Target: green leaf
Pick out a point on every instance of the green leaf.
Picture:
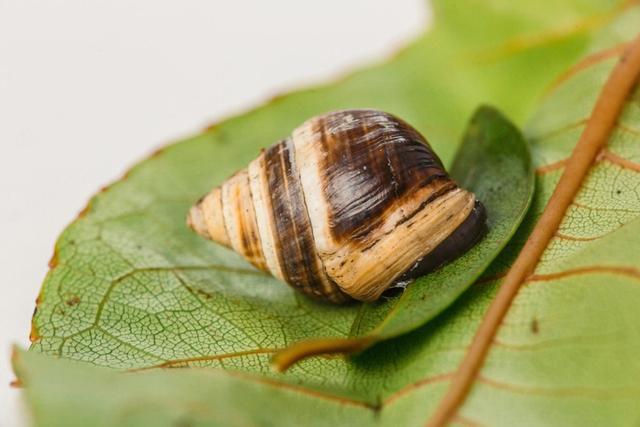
(556, 373)
(132, 288)
(68, 394)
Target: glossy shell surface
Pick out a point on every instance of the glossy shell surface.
(352, 202)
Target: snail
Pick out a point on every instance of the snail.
(350, 204)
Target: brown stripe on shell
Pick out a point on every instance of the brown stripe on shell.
(372, 161)
(435, 193)
(240, 219)
(294, 241)
(250, 236)
(259, 187)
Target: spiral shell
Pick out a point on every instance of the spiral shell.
(353, 202)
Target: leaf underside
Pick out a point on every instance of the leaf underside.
(131, 288)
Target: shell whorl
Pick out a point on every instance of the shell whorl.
(351, 203)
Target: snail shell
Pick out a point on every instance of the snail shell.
(353, 202)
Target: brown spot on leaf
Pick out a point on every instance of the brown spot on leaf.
(157, 152)
(535, 328)
(74, 300)
(84, 211)
(33, 333)
(204, 294)
(211, 127)
(277, 97)
(53, 262)
(183, 422)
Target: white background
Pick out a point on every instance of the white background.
(87, 88)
